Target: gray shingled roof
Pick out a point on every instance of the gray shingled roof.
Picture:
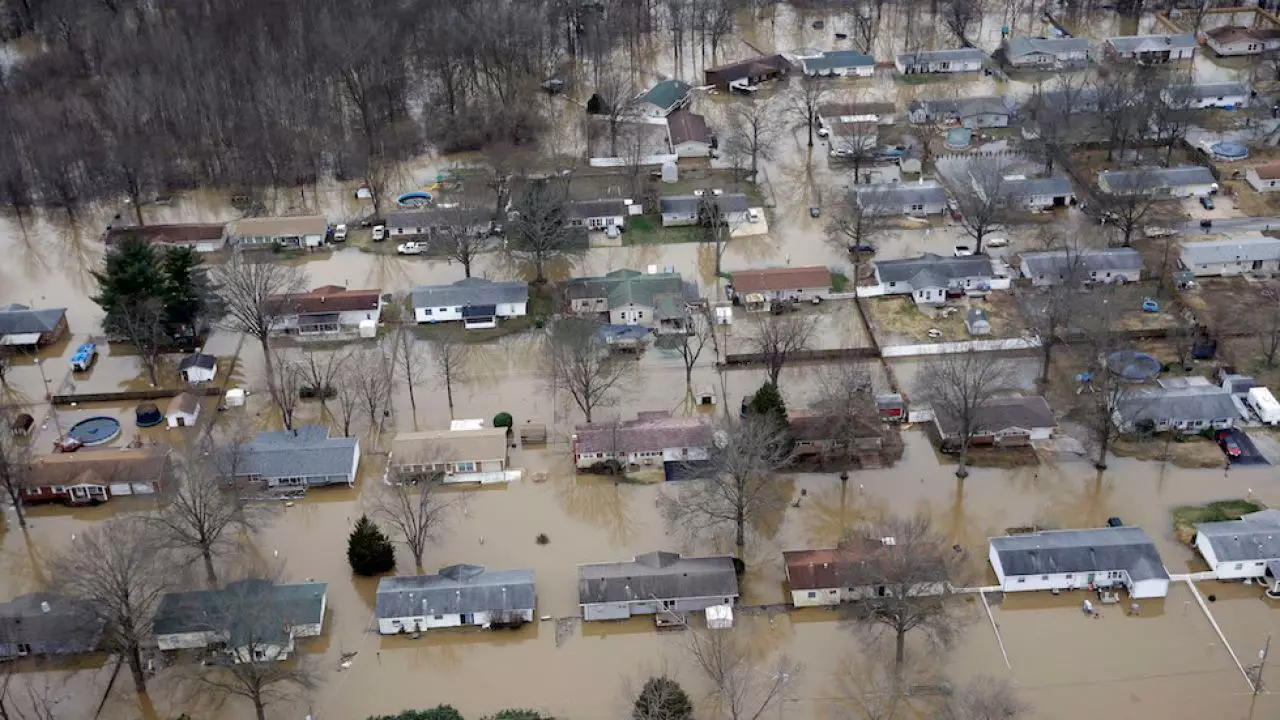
(1081, 551)
(470, 291)
(956, 55)
(899, 195)
(1020, 46)
(963, 107)
(223, 610)
(595, 208)
(1196, 402)
(1242, 249)
(436, 217)
(661, 575)
(1055, 261)
(1032, 187)
(305, 452)
(682, 204)
(1255, 536)
(69, 626)
(838, 59)
(999, 414)
(943, 268)
(1120, 181)
(199, 360)
(455, 589)
(1151, 43)
(18, 319)
(621, 287)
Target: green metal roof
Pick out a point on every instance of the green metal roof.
(667, 93)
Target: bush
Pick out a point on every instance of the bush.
(368, 550)
(662, 697)
(519, 715)
(439, 712)
(503, 419)
(768, 402)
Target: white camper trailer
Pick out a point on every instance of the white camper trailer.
(1263, 403)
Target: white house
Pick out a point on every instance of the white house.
(1265, 177)
(1107, 265)
(653, 439)
(940, 61)
(839, 63)
(657, 583)
(1005, 421)
(853, 571)
(252, 620)
(1231, 40)
(302, 457)
(972, 113)
(201, 237)
(664, 98)
(1095, 558)
(598, 214)
(1227, 95)
(1189, 408)
(421, 223)
(457, 596)
(925, 197)
(1151, 49)
(1179, 181)
(687, 209)
(930, 278)
(1248, 548)
(304, 231)
(1032, 53)
(474, 454)
(182, 411)
(477, 302)
(326, 310)
(796, 284)
(198, 368)
(688, 134)
(1248, 252)
(1037, 193)
(880, 113)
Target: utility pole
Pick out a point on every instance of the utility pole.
(1262, 663)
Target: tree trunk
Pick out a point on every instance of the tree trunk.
(901, 653)
(260, 708)
(1103, 446)
(741, 540)
(962, 471)
(210, 574)
(1047, 348)
(134, 654)
(466, 268)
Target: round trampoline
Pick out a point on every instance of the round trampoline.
(1227, 150)
(1133, 365)
(95, 430)
(148, 415)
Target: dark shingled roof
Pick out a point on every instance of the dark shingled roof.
(307, 451)
(199, 360)
(68, 626)
(936, 266)
(1072, 551)
(661, 575)
(649, 432)
(998, 414)
(455, 589)
(1255, 536)
(858, 562)
(18, 319)
(275, 607)
(470, 291)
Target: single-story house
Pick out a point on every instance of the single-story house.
(1179, 181)
(597, 214)
(303, 231)
(424, 223)
(302, 457)
(853, 570)
(457, 596)
(1265, 177)
(881, 113)
(1250, 252)
(198, 368)
(1105, 266)
(654, 583)
(1151, 49)
(839, 63)
(925, 197)
(1238, 40)
(1227, 95)
(1074, 101)
(1248, 548)
(976, 322)
(1006, 421)
(477, 302)
(820, 434)
(629, 297)
(653, 438)
(1190, 408)
(201, 237)
(1095, 558)
(1037, 193)
(689, 135)
(931, 278)
(252, 620)
(326, 310)
(464, 455)
(940, 61)
(852, 139)
(183, 410)
(972, 113)
(785, 283)
(21, 326)
(689, 209)
(748, 72)
(94, 475)
(43, 623)
(1035, 53)
(664, 98)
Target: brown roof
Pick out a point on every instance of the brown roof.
(165, 234)
(1229, 33)
(649, 432)
(1269, 171)
(280, 226)
(852, 563)
(818, 426)
(328, 299)
(440, 446)
(184, 403)
(97, 467)
(685, 126)
(766, 279)
(749, 68)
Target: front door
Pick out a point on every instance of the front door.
(79, 494)
(182, 422)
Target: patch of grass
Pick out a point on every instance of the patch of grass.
(1186, 451)
(648, 230)
(1186, 516)
(839, 281)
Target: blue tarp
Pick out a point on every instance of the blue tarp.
(84, 356)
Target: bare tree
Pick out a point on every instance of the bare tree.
(451, 354)
(986, 698)
(1049, 311)
(960, 15)
(1119, 97)
(777, 339)
(409, 356)
(957, 386)
(347, 395)
(6, 364)
(1102, 400)
(1171, 109)
(578, 361)
(459, 237)
(846, 397)
(981, 198)
(909, 586)
(123, 571)
(752, 130)
(863, 218)
(715, 227)
(286, 391)
(319, 370)
(373, 383)
(250, 288)
(737, 488)
(744, 689)
(415, 507)
(689, 345)
(617, 95)
(1055, 117)
(143, 324)
(855, 145)
(1131, 201)
(540, 232)
(804, 104)
(14, 468)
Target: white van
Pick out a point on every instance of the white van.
(1264, 405)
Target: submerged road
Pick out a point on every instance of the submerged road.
(1244, 224)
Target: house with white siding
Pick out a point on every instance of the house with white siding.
(1264, 178)
(1106, 265)
(925, 197)
(1227, 95)
(1037, 193)
(940, 61)
(471, 454)
(597, 214)
(1189, 407)
(1090, 559)
(1032, 53)
(477, 302)
(1244, 549)
(688, 134)
(798, 284)
(654, 438)
(679, 210)
(1180, 181)
(1151, 49)
(629, 297)
(930, 278)
(252, 620)
(303, 457)
(303, 231)
(1235, 40)
(973, 113)
(457, 596)
(839, 63)
(1248, 252)
(855, 569)
(664, 584)
(1001, 422)
(326, 310)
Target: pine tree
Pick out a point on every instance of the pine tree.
(662, 699)
(768, 402)
(189, 297)
(368, 549)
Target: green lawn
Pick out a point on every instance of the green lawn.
(839, 281)
(1186, 517)
(648, 230)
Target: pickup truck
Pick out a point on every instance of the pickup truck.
(411, 248)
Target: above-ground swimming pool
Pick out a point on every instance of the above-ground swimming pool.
(95, 430)
(413, 199)
(1133, 365)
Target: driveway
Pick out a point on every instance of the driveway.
(1267, 445)
(1249, 454)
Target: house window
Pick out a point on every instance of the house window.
(24, 649)
(1022, 579)
(1239, 566)
(917, 206)
(427, 312)
(438, 617)
(59, 488)
(1044, 577)
(813, 594)
(1068, 577)
(465, 466)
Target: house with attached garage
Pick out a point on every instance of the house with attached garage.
(1244, 549)
(764, 285)
(664, 98)
(477, 302)
(302, 231)
(429, 222)
(597, 214)
(1037, 193)
(252, 620)
(930, 279)
(1090, 559)
(1037, 53)
(656, 583)
(20, 326)
(688, 134)
(1264, 178)
(1230, 40)
(1188, 408)
(302, 457)
(925, 197)
(1151, 49)
(472, 454)
(839, 63)
(654, 438)
(973, 113)
(855, 569)
(457, 596)
(43, 623)
(747, 73)
(1001, 422)
(326, 310)
(1180, 182)
(629, 297)
(690, 209)
(200, 237)
(940, 61)
(94, 475)
(1107, 265)
(1228, 95)
(1237, 254)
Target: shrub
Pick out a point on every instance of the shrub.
(663, 698)
(503, 419)
(439, 712)
(368, 549)
(768, 402)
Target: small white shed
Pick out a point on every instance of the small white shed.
(183, 411)
(719, 617)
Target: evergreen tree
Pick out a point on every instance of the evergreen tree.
(439, 712)
(132, 276)
(768, 402)
(368, 549)
(662, 699)
(189, 297)
(137, 275)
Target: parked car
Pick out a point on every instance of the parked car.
(1114, 521)
(753, 215)
(612, 232)
(340, 233)
(823, 132)
(379, 233)
(1153, 231)
(1207, 202)
(1228, 443)
(411, 248)
(962, 251)
(997, 242)
(862, 249)
(815, 212)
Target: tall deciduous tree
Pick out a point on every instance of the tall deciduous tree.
(743, 688)
(957, 386)
(14, 468)
(982, 198)
(415, 507)
(777, 339)
(250, 289)
(451, 353)
(753, 126)
(577, 361)
(540, 232)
